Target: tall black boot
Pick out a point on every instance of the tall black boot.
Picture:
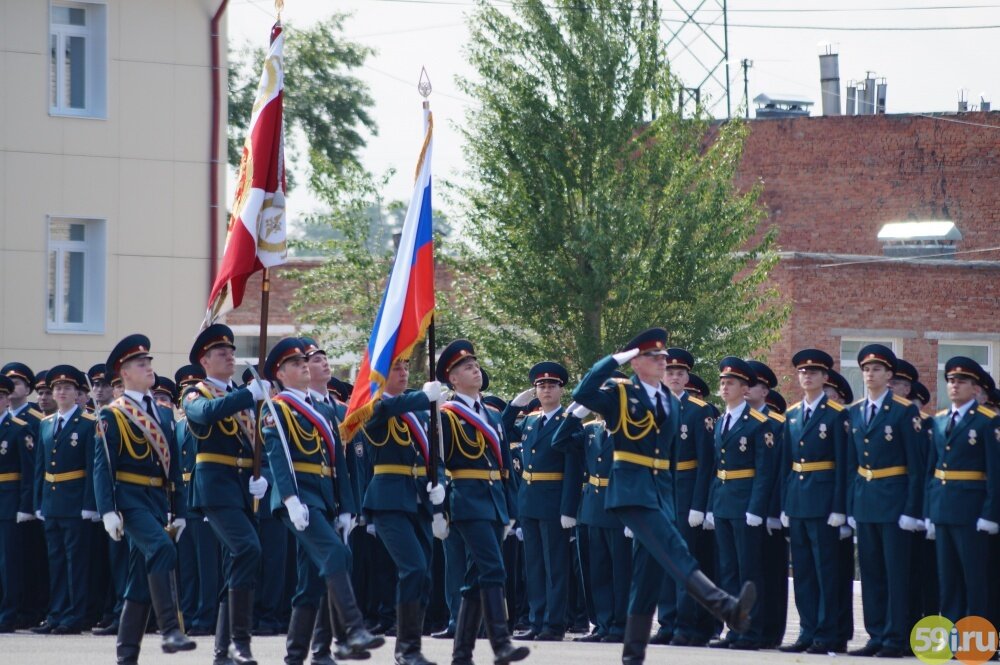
(470, 618)
(221, 653)
(163, 595)
(240, 620)
(300, 628)
(340, 595)
(328, 628)
(131, 627)
(637, 628)
(734, 611)
(495, 611)
(409, 629)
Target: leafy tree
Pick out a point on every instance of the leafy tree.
(322, 98)
(588, 221)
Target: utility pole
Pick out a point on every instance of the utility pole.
(746, 64)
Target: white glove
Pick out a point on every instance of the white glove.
(258, 486)
(754, 520)
(113, 525)
(259, 388)
(370, 529)
(297, 513)
(581, 412)
(920, 524)
(709, 524)
(907, 523)
(89, 515)
(435, 493)
(623, 357)
(989, 527)
(179, 525)
(519, 534)
(345, 524)
(567, 522)
(39, 516)
(507, 530)
(784, 519)
(852, 523)
(929, 525)
(433, 391)
(695, 518)
(837, 520)
(846, 532)
(523, 398)
(773, 524)
(628, 533)
(24, 517)
(439, 526)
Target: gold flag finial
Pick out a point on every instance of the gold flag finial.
(278, 6)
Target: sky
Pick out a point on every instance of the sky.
(925, 69)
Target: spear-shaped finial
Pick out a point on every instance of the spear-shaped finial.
(424, 85)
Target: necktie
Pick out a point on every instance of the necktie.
(661, 415)
(478, 409)
(871, 413)
(725, 424)
(542, 421)
(149, 407)
(59, 426)
(229, 389)
(805, 417)
(309, 400)
(951, 422)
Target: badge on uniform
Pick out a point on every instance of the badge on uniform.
(73, 439)
(769, 439)
(359, 449)
(517, 464)
(917, 425)
(888, 432)
(709, 424)
(268, 420)
(996, 433)
(684, 431)
(822, 430)
(972, 437)
(29, 442)
(3, 445)
(743, 444)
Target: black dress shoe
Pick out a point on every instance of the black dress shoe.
(886, 652)
(662, 636)
(44, 628)
(680, 641)
(819, 648)
(867, 650)
(720, 644)
(110, 629)
(529, 634)
(65, 630)
(797, 647)
(840, 647)
(612, 638)
(593, 637)
(744, 646)
(447, 634)
(546, 636)
(579, 629)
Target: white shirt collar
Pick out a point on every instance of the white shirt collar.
(296, 393)
(469, 401)
(318, 397)
(964, 409)
(878, 402)
(215, 382)
(736, 411)
(811, 405)
(14, 412)
(653, 391)
(549, 415)
(137, 396)
(69, 414)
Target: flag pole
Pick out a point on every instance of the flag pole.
(265, 299)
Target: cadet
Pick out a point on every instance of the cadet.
(482, 503)
(641, 496)
(813, 480)
(547, 501)
(307, 465)
(17, 461)
(64, 499)
(401, 501)
(44, 391)
(963, 492)
(219, 417)
(137, 482)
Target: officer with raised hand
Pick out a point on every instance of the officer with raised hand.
(641, 416)
(137, 483)
(548, 498)
(17, 462)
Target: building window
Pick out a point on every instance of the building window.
(78, 59)
(76, 250)
(981, 352)
(849, 348)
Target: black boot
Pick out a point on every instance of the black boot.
(131, 628)
(734, 611)
(470, 617)
(340, 595)
(328, 628)
(409, 629)
(221, 653)
(163, 595)
(300, 628)
(495, 611)
(636, 638)
(240, 620)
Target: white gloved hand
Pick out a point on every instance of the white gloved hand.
(113, 525)
(920, 524)
(709, 524)
(851, 522)
(39, 516)
(88, 515)
(784, 519)
(623, 357)
(695, 518)
(929, 527)
(523, 398)
(567, 522)
(433, 390)
(907, 523)
(519, 534)
(24, 517)
(370, 529)
(259, 388)
(754, 520)
(507, 530)
(435, 493)
(846, 532)
(837, 520)
(773, 524)
(258, 486)
(628, 533)
(581, 412)
(297, 513)
(439, 526)
(179, 525)
(345, 524)
(989, 527)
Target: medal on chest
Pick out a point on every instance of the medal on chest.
(972, 437)
(888, 432)
(743, 444)
(822, 430)
(74, 439)
(3, 447)
(684, 431)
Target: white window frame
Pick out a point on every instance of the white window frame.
(894, 343)
(990, 366)
(273, 330)
(94, 32)
(94, 249)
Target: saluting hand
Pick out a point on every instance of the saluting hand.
(523, 398)
(623, 357)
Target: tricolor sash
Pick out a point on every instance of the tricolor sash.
(243, 418)
(483, 426)
(315, 418)
(418, 433)
(149, 427)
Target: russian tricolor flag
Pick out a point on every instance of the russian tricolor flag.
(408, 303)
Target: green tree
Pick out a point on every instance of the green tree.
(322, 98)
(587, 221)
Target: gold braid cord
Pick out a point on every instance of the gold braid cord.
(639, 428)
(397, 430)
(462, 441)
(129, 438)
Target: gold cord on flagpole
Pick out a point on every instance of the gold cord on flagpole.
(278, 6)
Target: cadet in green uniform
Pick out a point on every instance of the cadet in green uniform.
(17, 462)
